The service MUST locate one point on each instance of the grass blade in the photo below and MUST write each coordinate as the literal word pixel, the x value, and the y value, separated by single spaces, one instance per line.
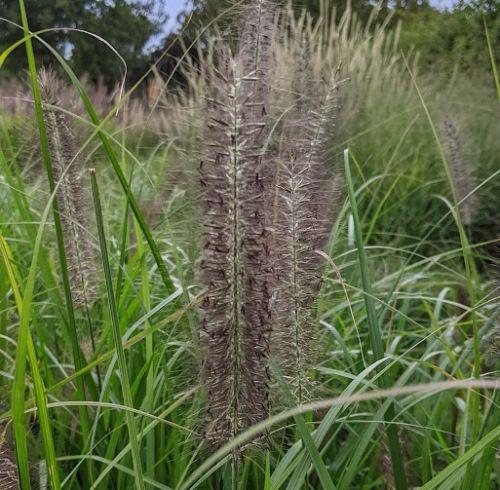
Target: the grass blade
pixel 374 332
pixel 472 282
pixel 492 59
pixel 321 432
pixel 172 318
pixel 309 444
pixel 78 358
pixel 27 216
pixel 41 399
pixel 115 324
pixel 118 171
pixel 455 471
pixel 107 148
pixel 24 347
pixel 200 473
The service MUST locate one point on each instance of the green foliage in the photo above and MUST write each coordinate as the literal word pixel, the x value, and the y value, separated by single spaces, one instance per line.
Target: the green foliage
pixel 108 22
pixel 453 37
pixel 100 17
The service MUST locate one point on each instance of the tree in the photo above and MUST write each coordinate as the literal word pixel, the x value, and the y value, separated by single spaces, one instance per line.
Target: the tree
pixel 127 25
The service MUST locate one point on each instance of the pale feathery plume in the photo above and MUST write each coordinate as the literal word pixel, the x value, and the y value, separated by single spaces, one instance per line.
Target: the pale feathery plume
pixel 220 266
pixel 307 202
pixel 70 193
pixel 461 170
pixel 254 61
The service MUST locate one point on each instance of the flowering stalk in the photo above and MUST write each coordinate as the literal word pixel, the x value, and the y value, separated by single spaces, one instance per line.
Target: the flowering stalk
pixel 308 198
pixel 70 195
pixel 460 171
pixel 235 315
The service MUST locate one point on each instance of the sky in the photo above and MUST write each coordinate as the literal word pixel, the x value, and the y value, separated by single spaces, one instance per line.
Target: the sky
pixel 173 7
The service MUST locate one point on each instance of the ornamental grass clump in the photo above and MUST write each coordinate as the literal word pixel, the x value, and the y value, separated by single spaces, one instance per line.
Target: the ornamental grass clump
pixel 71 200
pixel 268 201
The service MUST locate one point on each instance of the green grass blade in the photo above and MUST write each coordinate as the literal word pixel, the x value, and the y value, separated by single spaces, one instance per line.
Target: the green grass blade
pixel 124 469
pixel 143 433
pixel 149 396
pixel 321 432
pixel 316 459
pixel 472 279
pixel 492 59
pixel 27 216
pixel 360 449
pixel 172 318
pixel 374 332
pixel 267 480
pixel 23 348
pixel 309 444
pixel 41 399
pixel 454 472
pixel 200 473
pixel 115 323
pixel 105 142
pixel 78 357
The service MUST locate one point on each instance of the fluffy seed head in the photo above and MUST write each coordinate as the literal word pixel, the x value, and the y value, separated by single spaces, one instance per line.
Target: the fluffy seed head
pixel 70 193
pixel 307 201
pixel 235 315
pixel 461 170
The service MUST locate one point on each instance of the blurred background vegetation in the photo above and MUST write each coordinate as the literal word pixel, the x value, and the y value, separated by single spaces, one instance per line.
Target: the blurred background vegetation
pixel 445 38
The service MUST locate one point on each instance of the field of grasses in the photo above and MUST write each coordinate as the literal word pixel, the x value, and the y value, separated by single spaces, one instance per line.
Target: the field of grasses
pixel 166 323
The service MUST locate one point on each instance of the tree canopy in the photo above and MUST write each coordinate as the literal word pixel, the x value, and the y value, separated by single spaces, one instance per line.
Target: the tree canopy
pixel 127 25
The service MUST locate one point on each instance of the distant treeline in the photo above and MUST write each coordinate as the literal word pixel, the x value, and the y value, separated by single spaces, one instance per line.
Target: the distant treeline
pixel 133 28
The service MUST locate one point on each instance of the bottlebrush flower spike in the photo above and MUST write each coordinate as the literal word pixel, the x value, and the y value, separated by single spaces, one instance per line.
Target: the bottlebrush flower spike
pixel 70 194
pixel 220 267
pixel 308 200
pixel 461 171
pixel 254 56
pixel 235 315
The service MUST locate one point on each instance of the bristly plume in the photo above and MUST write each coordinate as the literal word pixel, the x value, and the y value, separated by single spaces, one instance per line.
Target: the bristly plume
pixel 9 479
pixel 235 314
pixel 254 65
pixel 220 267
pixel 307 202
pixel 70 193
pixel 254 60
pixel 461 170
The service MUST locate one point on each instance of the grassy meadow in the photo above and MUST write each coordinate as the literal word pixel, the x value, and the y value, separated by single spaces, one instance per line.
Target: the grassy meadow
pixel 103 318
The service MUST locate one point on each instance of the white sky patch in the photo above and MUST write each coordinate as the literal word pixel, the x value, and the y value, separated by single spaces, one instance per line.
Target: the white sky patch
pixel 172 8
